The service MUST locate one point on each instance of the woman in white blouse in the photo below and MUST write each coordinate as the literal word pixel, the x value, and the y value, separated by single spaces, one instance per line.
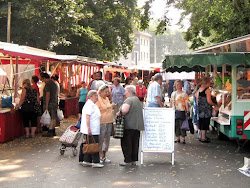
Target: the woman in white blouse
pixel 90 125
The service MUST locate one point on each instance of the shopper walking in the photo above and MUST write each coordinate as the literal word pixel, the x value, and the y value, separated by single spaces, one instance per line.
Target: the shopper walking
pixel 179 100
pixel 154 92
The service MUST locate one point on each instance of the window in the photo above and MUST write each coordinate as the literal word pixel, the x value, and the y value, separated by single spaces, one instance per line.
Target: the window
pixel 243 82
pixel 141 56
pixel 144 42
pixel 136 54
pixel 141 41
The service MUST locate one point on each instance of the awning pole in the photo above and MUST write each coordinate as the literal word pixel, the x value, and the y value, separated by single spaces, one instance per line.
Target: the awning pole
pixel 47 66
pixel 16 80
pixel 11 73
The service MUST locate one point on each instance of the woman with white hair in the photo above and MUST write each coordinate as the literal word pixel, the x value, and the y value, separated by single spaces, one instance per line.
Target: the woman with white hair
pixel 90 127
pixel 106 110
pixel 132 111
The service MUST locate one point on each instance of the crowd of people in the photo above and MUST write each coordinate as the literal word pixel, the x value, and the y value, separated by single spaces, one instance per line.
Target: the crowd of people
pixel 100 103
pixel 35 100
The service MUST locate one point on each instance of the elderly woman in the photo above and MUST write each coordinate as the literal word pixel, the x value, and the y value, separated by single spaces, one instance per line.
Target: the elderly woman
pixel 179 100
pixel 90 125
pixel 132 111
pixel 29 108
pixel 106 121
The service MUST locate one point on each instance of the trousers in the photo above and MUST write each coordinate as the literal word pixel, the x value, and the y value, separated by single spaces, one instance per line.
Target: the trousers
pixel 130 145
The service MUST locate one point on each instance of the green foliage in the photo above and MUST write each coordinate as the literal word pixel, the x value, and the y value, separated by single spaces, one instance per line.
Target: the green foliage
pixel 219 20
pixel 93 28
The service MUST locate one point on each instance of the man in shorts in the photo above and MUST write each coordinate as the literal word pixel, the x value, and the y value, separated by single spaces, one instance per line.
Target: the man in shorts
pixel 50 103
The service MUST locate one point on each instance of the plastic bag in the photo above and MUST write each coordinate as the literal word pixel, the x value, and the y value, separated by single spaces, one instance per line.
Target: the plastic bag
pixel 45 119
pixel 185 125
pixel 60 115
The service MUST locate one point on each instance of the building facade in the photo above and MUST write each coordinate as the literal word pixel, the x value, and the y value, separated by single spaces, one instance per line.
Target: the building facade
pixel 140 54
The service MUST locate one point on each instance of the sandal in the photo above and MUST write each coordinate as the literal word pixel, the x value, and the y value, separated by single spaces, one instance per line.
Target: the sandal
pixel 204 141
pixel 177 140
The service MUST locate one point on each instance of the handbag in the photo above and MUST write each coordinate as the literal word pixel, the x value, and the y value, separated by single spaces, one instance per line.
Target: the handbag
pixel 185 125
pixel 6 100
pixel 90 148
pixel 119 128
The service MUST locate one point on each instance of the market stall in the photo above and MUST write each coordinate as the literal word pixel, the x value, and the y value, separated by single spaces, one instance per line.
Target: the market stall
pixel 233 119
pixel 18 62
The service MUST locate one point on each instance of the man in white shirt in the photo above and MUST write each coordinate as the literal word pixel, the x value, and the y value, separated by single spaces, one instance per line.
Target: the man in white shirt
pixel 154 93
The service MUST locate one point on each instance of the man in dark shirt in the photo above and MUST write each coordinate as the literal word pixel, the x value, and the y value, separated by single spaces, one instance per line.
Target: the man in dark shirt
pixel 50 103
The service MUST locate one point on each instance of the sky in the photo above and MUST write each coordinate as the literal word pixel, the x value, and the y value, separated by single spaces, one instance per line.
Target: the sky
pixel 158 8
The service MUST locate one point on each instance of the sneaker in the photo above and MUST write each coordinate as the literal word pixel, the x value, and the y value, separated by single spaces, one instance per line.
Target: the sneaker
pixel 86 163
pixel 97 165
pixel 105 160
pixel 126 164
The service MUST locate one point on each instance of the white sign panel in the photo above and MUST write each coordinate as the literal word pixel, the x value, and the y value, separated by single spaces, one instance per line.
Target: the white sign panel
pixel 159 130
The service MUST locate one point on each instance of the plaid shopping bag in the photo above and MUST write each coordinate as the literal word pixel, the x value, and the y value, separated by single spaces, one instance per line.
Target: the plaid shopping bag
pixel 119 127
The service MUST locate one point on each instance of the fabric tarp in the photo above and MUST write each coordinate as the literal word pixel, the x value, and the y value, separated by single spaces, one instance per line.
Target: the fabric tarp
pixel 203 60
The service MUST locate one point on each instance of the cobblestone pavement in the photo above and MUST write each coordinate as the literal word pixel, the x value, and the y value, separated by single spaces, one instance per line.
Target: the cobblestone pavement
pixel 38 163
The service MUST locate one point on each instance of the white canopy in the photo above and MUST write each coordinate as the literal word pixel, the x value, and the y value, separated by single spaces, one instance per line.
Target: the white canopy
pixel 178 75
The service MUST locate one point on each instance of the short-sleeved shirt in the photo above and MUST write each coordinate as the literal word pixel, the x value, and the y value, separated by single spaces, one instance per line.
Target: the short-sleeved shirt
pixel 154 90
pixel 83 94
pixel 178 100
pixel 106 110
pixel 95 115
pixel 51 87
pixel 117 94
pixel 134 117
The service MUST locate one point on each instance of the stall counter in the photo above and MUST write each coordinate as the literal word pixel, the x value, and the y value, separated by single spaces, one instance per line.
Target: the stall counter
pixel 11 125
pixel 69 106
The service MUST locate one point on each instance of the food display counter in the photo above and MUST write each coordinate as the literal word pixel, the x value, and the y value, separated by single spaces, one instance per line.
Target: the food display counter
pixel 69 106
pixel 11 125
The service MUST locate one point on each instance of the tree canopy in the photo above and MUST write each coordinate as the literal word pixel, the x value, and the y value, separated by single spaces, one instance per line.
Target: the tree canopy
pixel 93 28
pixel 216 20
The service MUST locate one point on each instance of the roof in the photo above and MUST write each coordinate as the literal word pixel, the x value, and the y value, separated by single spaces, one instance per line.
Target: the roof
pixel 232 41
pixel 205 59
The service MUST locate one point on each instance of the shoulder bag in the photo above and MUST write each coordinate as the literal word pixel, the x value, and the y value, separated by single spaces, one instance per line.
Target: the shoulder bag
pixel 6 100
pixel 119 128
pixel 90 148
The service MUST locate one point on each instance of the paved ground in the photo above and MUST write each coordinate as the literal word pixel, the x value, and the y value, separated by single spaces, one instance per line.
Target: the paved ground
pixel 38 163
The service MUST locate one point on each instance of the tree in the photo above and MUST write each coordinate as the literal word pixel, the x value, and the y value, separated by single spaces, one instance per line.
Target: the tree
pixel 216 20
pixel 170 42
pixel 93 28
